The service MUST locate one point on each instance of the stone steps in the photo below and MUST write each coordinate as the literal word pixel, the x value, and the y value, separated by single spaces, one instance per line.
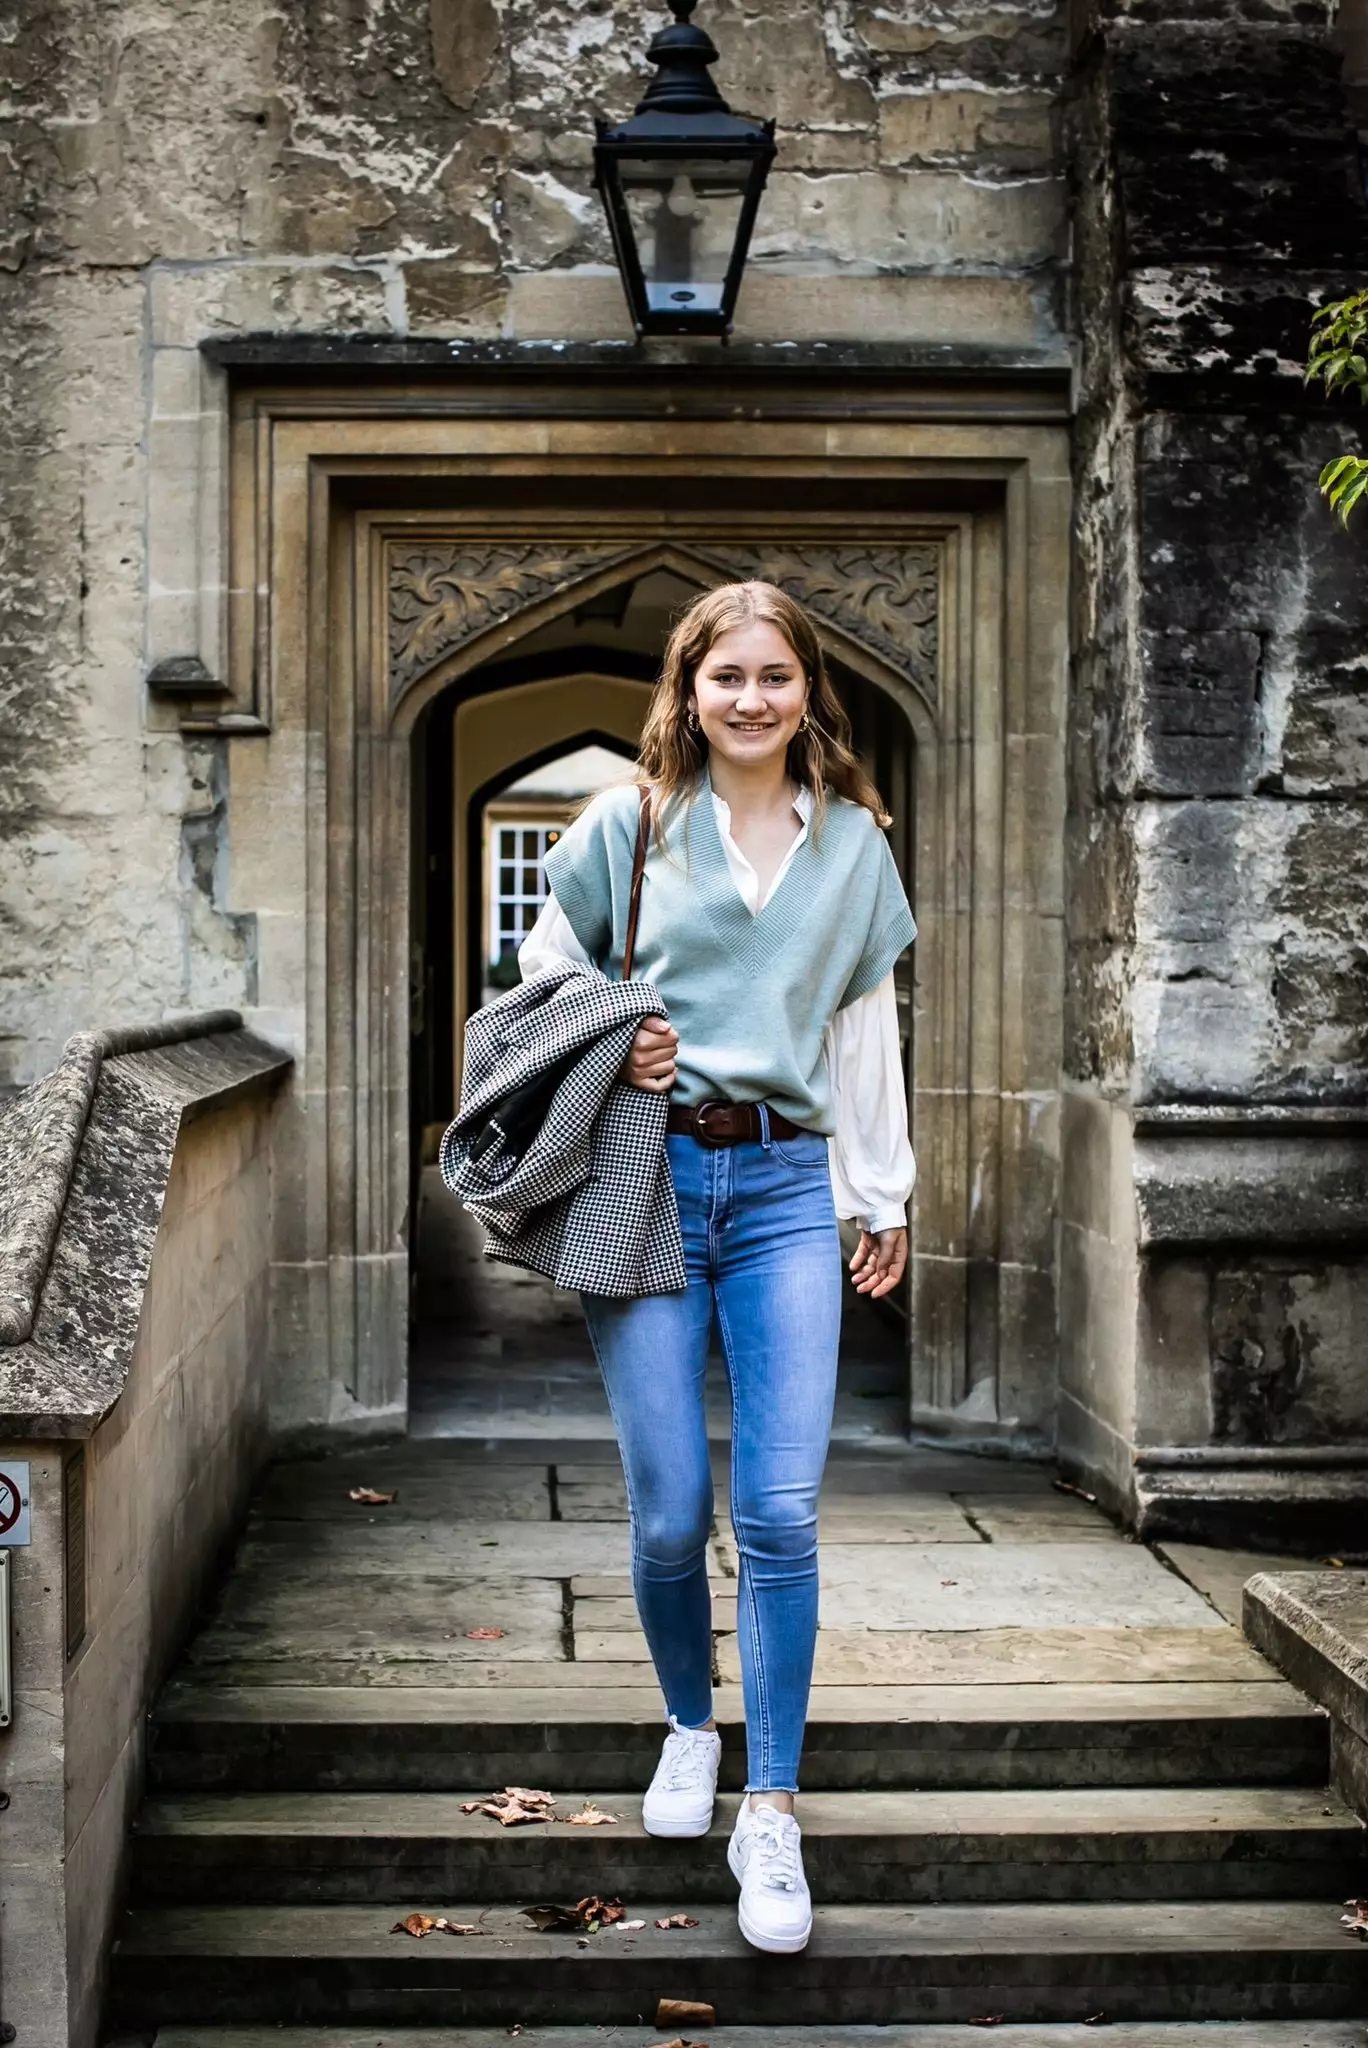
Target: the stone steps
pixel 335 1965
pixel 1134 2034
pixel 584 1729
pixel 887 1847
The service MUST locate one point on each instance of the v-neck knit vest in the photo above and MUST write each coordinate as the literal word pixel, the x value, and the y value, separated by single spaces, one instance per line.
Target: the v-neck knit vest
pixel 750 993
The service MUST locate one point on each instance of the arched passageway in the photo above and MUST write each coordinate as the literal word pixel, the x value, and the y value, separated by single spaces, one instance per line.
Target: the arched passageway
pixel 582 679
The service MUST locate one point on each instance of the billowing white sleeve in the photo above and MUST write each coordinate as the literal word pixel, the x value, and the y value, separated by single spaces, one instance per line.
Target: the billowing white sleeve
pixel 872 1167
pixel 551 943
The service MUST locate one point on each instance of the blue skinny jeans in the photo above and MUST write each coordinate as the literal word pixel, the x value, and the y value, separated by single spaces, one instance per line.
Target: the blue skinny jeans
pixel 762 1253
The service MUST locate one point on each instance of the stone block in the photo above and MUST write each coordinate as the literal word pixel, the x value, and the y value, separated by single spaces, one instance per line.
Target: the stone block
pixel 588 305
pixel 935 220
pixel 1173 1380
pixel 1288 1362
pixel 441 297
pixel 465 39
pixel 1199 730
pixel 1011 130
pixel 187 305
pixel 995 40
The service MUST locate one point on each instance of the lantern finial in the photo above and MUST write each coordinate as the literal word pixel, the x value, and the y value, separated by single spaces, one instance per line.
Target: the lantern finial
pixel 682 54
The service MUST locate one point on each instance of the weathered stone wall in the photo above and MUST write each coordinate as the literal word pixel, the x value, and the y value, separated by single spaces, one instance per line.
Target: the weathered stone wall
pixel 162 1267
pixel 1218 747
pixel 177 169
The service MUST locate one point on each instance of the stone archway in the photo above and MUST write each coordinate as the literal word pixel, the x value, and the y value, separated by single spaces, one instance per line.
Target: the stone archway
pixel 932 551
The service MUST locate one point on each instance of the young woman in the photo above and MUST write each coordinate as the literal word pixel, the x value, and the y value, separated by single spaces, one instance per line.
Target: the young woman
pixel 771 916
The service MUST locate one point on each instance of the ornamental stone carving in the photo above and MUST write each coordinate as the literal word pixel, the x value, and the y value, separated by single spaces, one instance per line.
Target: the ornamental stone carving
pixel 886 598
pixel 444 594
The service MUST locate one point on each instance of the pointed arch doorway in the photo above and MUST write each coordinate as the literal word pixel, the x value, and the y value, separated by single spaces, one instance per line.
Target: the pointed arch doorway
pixel 928 538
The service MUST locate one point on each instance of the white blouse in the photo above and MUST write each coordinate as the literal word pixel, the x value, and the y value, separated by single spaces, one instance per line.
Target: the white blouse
pixel 872 1167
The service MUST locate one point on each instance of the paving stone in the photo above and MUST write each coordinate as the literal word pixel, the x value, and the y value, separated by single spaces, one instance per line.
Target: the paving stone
pixel 285 1618
pixel 1017 1656
pixel 494 1550
pixel 1019 1585
pixel 1220 1575
pixel 432 1490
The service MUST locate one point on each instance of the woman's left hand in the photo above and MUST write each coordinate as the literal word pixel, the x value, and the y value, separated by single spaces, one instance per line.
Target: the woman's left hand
pixel 879 1262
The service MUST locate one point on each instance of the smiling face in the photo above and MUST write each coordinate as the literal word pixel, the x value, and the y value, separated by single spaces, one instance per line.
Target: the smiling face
pixel 750 694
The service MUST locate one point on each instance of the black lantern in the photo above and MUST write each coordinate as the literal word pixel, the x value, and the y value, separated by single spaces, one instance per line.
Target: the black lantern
pixel 681 182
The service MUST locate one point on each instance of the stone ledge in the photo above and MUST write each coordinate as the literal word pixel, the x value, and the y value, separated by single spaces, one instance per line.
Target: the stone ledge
pixel 1270 1503
pixel 40 1134
pixel 81 1238
pixel 383 355
pixel 1259 1180
pixel 1314 1627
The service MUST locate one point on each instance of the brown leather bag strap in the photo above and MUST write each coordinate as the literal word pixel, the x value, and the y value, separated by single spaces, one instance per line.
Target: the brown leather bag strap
pixel 638 870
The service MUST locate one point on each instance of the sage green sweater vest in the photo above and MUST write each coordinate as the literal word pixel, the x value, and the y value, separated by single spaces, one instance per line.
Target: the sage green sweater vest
pixel 751 995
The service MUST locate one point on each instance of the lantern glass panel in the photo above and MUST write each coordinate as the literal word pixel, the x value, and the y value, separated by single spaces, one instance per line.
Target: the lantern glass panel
pixel 685 213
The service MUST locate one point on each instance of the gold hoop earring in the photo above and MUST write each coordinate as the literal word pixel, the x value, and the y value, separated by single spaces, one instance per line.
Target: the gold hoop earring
pixel 805 723
pixel 691 719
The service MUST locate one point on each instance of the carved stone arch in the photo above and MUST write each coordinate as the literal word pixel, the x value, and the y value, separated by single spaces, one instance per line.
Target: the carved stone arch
pixel 453 604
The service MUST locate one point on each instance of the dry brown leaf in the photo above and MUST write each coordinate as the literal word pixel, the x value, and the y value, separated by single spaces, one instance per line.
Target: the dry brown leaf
pixel 369 1498
pixel 586 1914
pixel 590 1816
pixel 420 1925
pixel 484 1635
pixel 1356 1919
pixel 514 1807
pixel 417 1924
pixel 511 1813
pixel 1079 1493
pixel 677 1920
pixel 684 2009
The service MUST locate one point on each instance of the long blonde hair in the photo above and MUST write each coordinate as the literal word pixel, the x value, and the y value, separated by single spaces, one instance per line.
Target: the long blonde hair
pixel 821 758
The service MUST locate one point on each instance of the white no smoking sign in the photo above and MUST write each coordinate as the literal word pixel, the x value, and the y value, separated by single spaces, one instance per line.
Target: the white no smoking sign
pixel 14 1504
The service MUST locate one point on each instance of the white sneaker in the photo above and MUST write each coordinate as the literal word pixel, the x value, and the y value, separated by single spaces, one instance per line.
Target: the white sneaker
pixel 766 1858
pixel 682 1792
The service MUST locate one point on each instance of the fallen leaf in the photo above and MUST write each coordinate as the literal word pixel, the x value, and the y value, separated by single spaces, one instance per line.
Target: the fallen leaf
pixel 484 1635
pixel 1337 1562
pixel 1096 2019
pixel 994 2019
pixel 1079 1493
pixel 417 1924
pixel 511 1813
pixel 677 1920
pixel 420 1925
pixel 1356 1919
pixel 369 1498
pixel 590 1816
pixel 684 2009
pixel 514 1807
pixel 590 1914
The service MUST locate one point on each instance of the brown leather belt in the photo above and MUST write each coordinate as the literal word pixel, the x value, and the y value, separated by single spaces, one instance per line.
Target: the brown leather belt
pixel 726 1123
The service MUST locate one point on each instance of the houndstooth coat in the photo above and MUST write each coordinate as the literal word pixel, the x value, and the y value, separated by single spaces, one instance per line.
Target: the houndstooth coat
pixel 562 1163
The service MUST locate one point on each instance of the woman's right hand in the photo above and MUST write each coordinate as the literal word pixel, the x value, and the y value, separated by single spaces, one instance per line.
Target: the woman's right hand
pixel 650 1063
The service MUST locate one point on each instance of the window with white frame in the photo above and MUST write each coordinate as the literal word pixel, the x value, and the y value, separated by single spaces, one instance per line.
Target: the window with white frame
pixel 518 873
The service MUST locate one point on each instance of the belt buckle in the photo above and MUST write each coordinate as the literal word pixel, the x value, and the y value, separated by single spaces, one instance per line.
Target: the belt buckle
pixel 701 1124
